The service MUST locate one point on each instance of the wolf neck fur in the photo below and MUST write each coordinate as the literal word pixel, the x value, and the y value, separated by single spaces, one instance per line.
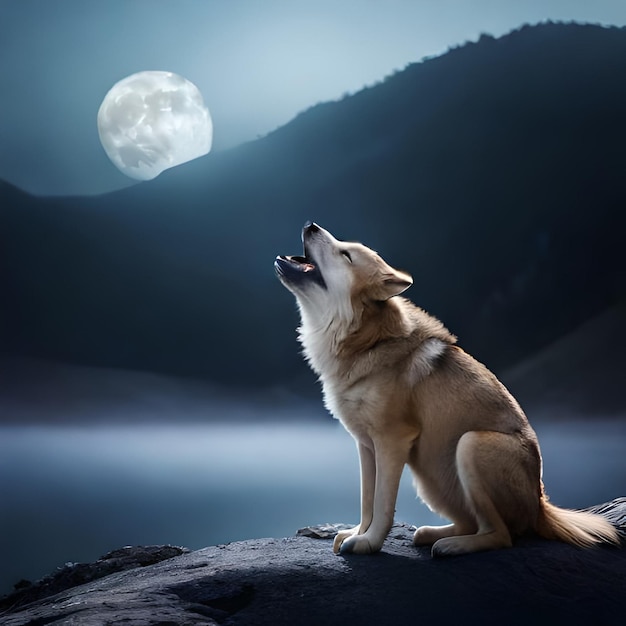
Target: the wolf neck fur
pixel 329 339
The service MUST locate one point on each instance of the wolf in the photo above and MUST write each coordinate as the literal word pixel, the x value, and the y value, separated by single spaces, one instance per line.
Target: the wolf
pixel 409 395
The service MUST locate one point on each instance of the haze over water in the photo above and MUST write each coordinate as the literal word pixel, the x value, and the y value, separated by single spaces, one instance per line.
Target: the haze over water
pixel 74 491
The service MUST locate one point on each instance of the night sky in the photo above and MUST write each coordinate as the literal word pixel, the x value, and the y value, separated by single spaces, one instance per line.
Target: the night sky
pixel 257 64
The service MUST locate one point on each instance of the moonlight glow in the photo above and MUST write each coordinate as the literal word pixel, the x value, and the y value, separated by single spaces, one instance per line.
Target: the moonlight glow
pixel 151 121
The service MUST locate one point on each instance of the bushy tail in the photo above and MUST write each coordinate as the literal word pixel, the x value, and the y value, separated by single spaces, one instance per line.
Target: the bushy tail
pixel 576 527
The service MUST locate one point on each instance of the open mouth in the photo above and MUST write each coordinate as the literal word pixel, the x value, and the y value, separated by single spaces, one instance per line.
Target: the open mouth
pixel 294 269
pixel 299 263
pixel 300 269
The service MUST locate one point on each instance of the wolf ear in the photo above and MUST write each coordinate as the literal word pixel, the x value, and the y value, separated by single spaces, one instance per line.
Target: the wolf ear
pixel 393 284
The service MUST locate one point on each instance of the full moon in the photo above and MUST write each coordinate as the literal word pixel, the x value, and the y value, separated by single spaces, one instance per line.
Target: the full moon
pixel 151 121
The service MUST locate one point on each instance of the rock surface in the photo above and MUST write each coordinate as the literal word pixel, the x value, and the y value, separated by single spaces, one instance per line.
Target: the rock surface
pixel 298 580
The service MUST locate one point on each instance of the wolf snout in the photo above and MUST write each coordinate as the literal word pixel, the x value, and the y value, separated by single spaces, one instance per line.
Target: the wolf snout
pixel 310 227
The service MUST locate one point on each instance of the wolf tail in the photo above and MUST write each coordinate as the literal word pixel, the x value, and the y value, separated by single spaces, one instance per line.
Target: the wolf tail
pixel 579 528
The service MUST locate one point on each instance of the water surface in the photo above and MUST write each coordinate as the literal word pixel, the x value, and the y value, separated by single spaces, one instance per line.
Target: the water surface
pixel 70 493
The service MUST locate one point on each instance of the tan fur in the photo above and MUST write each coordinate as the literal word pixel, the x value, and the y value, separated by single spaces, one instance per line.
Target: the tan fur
pixel 408 395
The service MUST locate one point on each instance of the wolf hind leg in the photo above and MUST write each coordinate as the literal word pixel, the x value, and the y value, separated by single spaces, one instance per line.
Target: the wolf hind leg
pixel 496 487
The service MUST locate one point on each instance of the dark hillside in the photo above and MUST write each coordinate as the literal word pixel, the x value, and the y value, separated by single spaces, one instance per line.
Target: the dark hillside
pixel 494 174
pixel 579 374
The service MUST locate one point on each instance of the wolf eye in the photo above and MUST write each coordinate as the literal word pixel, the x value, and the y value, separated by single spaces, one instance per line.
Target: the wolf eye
pixel 347 255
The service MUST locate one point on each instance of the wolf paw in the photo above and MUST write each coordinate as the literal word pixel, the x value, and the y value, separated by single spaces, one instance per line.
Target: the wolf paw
pixel 424 536
pixel 358 544
pixel 342 535
pixel 427 535
pixel 448 546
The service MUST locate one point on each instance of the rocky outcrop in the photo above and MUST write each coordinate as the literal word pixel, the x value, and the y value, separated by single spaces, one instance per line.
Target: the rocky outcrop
pixel 298 580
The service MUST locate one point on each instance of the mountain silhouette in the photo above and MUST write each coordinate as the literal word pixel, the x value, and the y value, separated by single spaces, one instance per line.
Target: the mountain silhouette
pixel 494 174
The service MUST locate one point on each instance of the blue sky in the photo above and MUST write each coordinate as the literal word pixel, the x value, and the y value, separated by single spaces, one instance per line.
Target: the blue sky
pixel 258 63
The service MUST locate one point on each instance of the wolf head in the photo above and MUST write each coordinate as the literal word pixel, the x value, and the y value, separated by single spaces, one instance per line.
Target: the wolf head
pixel 333 278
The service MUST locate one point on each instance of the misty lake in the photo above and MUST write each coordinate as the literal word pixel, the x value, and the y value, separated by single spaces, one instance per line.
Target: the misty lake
pixel 72 492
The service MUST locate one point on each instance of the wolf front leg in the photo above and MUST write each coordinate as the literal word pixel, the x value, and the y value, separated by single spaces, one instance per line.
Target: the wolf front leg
pixel 390 457
pixel 368 482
